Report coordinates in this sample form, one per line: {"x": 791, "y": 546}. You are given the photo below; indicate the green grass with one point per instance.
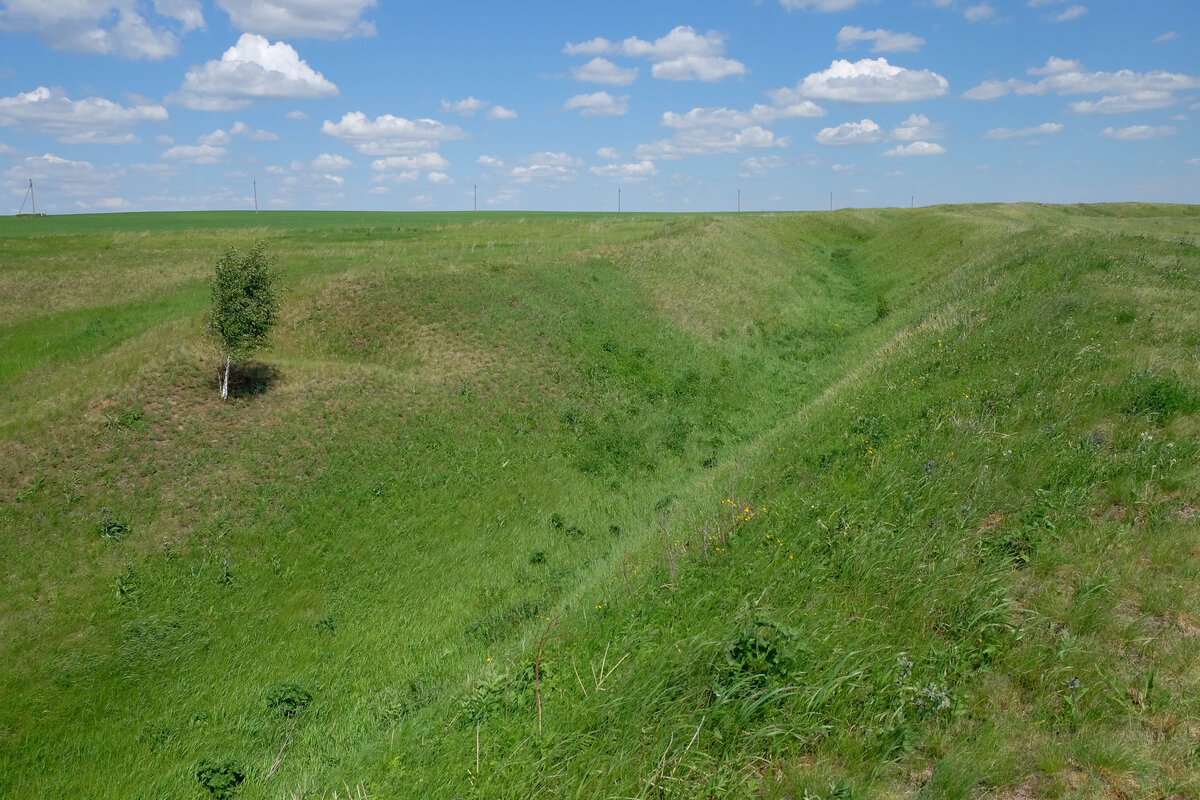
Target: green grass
{"x": 676, "y": 481}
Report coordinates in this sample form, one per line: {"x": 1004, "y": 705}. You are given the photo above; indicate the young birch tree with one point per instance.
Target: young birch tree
{"x": 245, "y": 305}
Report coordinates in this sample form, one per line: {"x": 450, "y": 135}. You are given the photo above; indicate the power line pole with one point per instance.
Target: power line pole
{"x": 831, "y": 201}
{"x": 739, "y": 201}
{"x": 256, "y": 195}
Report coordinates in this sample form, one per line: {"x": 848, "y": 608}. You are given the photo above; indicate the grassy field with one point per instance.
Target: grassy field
{"x": 895, "y": 503}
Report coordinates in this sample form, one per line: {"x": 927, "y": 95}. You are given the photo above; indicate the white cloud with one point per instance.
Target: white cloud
{"x": 298, "y": 115}
{"x": 549, "y": 159}
{"x": 591, "y": 47}
{"x": 988, "y": 90}
{"x": 1169, "y": 36}
{"x": 164, "y": 140}
{"x": 440, "y": 178}
{"x": 421, "y": 200}
{"x": 1195, "y": 162}
{"x": 1125, "y": 103}
{"x": 91, "y": 120}
{"x": 389, "y": 135}
{"x": 377, "y": 190}
{"x": 319, "y": 19}
{"x": 916, "y": 149}
{"x": 726, "y": 118}
{"x": 979, "y": 13}
{"x": 598, "y": 104}
{"x": 698, "y": 68}
{"x": 426, "y": 161}
{"x": 503, "y": 197}
{"x": 1125, "y": 90}
{"x": 500, "y": 112}
{"x": 327, "y": 162}
{"x": 103, "y": 27}
{"x": 681, "y": 55}
{"x": 491, "y": 162}
{"x": 865, "y": 132}
{"x": 626, "y": 173}
{"x": 601, "y": 70}
{"x": 757, "y": 166}
{"x": 187, "y": 12}
{"x": 466, "y": 107}
{"x": 1074, "y": 12}
{"x": 1036, "y": 130}
{"x": 221, "y": 138}
{"x": 608, "y": 153}
{"x": 885, "y": 41}
{"x": 865, "y": 81}
{"x": 195, "y": 153}
{"x": 819, "y": 5}
{"x": 918, "y": 126}
{"x": 1138, "y": 132}
{"x": 543, "y": 172}
{"x": 252, "y": 69}
{"x": 62, "y": 179}
{"x": 708, "y": 142}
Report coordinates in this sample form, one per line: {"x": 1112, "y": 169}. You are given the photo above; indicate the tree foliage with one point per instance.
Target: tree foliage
{"x": 245, "y": 305}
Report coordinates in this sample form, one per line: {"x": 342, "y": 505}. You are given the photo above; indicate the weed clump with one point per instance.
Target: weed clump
{"x": 111, "y": 527}
{"x": 1160, "y": 395}
{"x": 289, "y": 699}
{"x": 221, "y": 780}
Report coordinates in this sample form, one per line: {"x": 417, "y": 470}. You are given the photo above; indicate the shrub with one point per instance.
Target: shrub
{"x": 288, "y": 698}
{"x": 221, "y": 780}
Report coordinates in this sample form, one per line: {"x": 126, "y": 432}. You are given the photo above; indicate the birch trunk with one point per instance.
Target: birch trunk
{"x": 225, "y": 383}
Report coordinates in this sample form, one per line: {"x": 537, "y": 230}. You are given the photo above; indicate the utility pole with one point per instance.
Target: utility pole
{"x": 256, "y": 195}
{"x": 912, "y": 201}
{"x": 831, "y": 201}
{"x": 739, "y": 201}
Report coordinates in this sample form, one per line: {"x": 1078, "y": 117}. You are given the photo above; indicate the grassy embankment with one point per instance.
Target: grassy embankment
{"x": 878, "y": 503}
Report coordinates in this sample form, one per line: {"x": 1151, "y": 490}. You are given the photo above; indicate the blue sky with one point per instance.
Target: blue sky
{"x": 133, "y": 105}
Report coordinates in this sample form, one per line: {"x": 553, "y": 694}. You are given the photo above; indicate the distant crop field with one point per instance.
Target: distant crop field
{"x": 873, "y": 503}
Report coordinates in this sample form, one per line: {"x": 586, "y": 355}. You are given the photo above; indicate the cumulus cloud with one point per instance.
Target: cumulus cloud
{"x": 707, "y": 142}
{"x": 319, "y": 19}
{"x": 1138, "y": 132}
{"x": 389, "y": 135}
{"x": 598, "y": 104}
{"x": 1036, "y": 130}
{"x": 195, "y": 153}
{"x": 626, "y": 173}
{"x": 757, "y": 166}
{"x": 885, "y": 41}
{"x": 726, "y": 118}
{"x": 500, "y": 112}
{"x": 221, "y": 138}
{"x": 1124, "y": 103}
{"x": 681, "y": 55}
{"x": 465, "y": 107}
{"x": 1062, "y": 76}
{"x": 601, "y": 70}
{"x": 916, "y": 149}
{"x": 864, "y": 132}
{"x": 865, "y": 81}
{"x": 491, "y": 162}
{"x": 297, "y": 115}
{"x": 93, "y": 120}
{"x": 250, "y": 70}
{"x": 918, "y": 126}
{"x": 425, "y": 161}
{"x": 104, "y": 27}
{"x": 80, "y": 182}
{"x": 440, "y": 178}
{"x": 608, "y": 153}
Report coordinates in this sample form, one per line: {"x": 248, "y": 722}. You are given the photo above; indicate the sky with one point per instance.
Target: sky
{"x": 706, "y": 105}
